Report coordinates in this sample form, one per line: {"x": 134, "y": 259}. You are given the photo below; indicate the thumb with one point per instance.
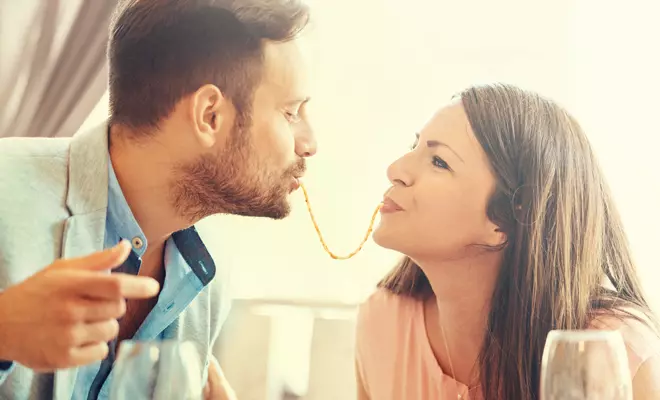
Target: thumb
{"x": 217, "y": 387}
{"x": 206, "y": 393}
{"x": 99, "y": 261}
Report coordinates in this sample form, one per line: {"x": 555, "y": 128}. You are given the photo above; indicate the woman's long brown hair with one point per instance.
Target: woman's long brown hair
{"x": 565, "y": 238}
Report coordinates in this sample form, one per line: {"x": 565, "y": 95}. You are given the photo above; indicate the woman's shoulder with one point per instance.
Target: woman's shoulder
{"x": 386, "y": 337}
{"x": 383, "y": 308}
{"x": 387, "y": 320}
{"x": 639, "y": 334}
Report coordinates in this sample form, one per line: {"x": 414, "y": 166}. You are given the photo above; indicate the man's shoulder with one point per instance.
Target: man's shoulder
{"x": 20, "y": 147}
{"x": 32, "y": 169}
{"x": 33, "y": 189}
{"x": 29, "y": 162}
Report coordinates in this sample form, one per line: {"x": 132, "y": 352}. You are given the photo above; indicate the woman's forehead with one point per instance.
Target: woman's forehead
{"x": 450, "y": 125}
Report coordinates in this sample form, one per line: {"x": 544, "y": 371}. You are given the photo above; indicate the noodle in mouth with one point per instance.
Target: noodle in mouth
{"x": 318, "y": 231}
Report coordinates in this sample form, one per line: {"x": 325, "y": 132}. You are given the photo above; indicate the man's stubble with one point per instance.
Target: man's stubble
{"x": 234, "y": 181}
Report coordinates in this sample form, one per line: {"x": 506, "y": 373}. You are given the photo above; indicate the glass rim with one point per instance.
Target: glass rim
{"x": 154, "y": 341}
{"x": 128, "y": 346}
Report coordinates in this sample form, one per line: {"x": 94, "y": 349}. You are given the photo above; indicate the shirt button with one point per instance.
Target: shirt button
{"x": 137, "y": 242}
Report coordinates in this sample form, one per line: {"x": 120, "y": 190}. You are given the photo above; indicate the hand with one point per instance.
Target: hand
{"x": 217, "y": 387}
{"x": 64, "y": 315}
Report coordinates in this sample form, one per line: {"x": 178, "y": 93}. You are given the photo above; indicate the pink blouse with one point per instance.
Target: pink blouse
{"x": 395, "y": 360}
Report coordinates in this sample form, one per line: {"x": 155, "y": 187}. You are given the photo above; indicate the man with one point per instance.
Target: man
{"x": 207, "y": 116}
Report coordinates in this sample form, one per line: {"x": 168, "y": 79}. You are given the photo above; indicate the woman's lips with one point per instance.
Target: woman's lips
{"x": 389, "y": 206}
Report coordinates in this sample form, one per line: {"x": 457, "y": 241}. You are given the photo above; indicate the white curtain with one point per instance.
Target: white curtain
{"x": 52, "y": 64}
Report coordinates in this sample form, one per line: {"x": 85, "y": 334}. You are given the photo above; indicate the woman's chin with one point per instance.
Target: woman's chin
{"x": 385, "y": 239}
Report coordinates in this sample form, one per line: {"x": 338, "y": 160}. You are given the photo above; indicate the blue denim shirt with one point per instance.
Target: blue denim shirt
{"x": 182, "y": 283}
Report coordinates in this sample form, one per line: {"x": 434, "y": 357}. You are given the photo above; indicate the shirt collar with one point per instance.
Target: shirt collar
{"x": 187, "y": 242}
{"x": 120, "y": 215}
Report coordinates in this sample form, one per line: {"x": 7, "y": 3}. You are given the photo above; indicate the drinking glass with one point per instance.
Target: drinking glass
{"x": 159, "y": 370}
{"x": 585, "y": 365}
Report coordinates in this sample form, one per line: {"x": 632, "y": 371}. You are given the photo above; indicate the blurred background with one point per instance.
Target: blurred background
{"x": 380, "y": 69}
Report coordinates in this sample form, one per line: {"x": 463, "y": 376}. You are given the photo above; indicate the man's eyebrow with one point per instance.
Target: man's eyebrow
{"x": 299, "y": 100}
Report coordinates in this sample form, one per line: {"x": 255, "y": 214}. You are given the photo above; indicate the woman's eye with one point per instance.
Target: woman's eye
{"x": 440, "y": 163}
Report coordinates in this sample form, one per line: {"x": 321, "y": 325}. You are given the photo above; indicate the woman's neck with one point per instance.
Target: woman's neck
{"x": 457, "y": 316}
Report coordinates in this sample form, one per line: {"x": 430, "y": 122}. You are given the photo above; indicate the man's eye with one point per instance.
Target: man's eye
{"x": 292, "y": 117}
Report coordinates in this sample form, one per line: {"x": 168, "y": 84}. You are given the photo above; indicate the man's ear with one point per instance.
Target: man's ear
{"x": 206, "y": 107}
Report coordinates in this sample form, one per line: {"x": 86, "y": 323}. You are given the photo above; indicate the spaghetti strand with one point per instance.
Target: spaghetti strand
{"x": 320, "y": 236}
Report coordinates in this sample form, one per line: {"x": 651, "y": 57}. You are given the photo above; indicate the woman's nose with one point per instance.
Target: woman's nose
{"x": 398, "y": 174}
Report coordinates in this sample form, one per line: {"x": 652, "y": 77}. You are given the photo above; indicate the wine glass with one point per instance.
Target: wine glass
{"x": 585, "y": 365}
{"x": 161, "y": 370}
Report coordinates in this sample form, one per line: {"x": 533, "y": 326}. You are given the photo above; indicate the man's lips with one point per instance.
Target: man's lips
{"x": 295, "y": 183}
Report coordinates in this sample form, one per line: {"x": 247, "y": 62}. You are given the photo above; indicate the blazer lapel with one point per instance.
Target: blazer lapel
{"x": 88, "y": 171}
{"x": 87, "y": 200}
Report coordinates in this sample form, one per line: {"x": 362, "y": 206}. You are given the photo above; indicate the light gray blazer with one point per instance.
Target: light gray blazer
{"x": 53, "y": 203}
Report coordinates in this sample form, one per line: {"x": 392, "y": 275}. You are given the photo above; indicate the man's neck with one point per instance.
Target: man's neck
{"x": 143, "y": 169}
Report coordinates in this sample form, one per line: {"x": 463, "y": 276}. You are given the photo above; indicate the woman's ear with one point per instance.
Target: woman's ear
{"x": 496, "y": 237}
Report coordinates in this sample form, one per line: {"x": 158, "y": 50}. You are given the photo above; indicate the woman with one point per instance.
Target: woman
{"x": 509, "y": 231}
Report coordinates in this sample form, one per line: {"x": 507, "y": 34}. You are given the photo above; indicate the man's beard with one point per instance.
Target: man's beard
{"x": 233, "y": 182}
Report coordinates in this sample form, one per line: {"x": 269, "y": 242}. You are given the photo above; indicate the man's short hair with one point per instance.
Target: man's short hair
{"x": 163, "y": 50}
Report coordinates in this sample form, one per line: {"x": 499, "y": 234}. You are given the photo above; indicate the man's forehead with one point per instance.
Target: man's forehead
{"x": 286, "y": 67}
